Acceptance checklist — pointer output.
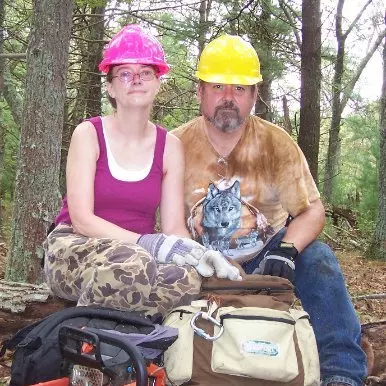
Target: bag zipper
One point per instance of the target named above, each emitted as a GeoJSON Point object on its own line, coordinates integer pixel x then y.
{"type": "Point", "coordinates": [252, 317]}
{"type": "Point", "coordinates": [268, 290]}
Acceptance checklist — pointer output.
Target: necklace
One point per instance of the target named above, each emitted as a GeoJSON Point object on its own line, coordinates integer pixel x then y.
{"type": "Point", "coordinates": [222, 166]}
{"type": "Point", "coordinates": [222, 161]}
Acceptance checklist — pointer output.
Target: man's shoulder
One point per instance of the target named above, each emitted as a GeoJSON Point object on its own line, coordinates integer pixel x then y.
{"type": "Point", "coordinates": [187, 129]}
{"type": "Point", "coordinates": [268, 128]}
{"type": "Point", "coordinates": [269, 135]}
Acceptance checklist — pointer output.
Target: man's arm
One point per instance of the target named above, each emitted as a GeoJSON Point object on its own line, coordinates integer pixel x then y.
{"type": "Point", "coordinates": [306, 226]}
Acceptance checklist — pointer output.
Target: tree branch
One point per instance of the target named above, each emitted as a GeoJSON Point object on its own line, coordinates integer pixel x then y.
{"type": "Point", "coordinates": [369, 296]}
{"type": "Point", "coordinates": [292, 23]}
{"type": "Point", "coordinates": [347, 91]}
{"type": "Point", "coordinates": [13, 56]}
{"type": "Point", "coordinates": [358, 16]}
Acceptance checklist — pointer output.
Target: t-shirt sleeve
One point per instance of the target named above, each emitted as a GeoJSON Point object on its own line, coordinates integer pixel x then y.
{"type": "Point", "coordinates": [295, 185]}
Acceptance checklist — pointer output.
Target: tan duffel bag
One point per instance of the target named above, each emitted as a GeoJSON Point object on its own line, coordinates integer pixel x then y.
{"type": "Point", "coordinates": [243, 333]}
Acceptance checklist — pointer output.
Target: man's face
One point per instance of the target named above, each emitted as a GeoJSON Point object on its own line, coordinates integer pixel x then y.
{"type": "Point", "coordinates": [226, 106]}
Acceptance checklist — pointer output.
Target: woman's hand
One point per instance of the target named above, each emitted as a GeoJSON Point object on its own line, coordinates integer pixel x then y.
{"type": "Point", "coordinates": [182, 251]}
{"type": "Point", "coordinates": [214, 263]}
{"type": "Point", "coordinates": [172, 249]}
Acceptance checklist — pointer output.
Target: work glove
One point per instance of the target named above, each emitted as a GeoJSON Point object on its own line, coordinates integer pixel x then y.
{"type": "Point", "coordinates": [172, 249]}
{"type": "Point", "coordinates": [279, 261]}
{"type": "Point", "coordinates": [214, 263]}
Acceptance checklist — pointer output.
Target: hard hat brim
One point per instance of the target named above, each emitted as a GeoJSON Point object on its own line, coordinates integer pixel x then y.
{"type": "Point", "coordinates": [163, 68]}
{"type": "Point", "coordinates": [229, 79]}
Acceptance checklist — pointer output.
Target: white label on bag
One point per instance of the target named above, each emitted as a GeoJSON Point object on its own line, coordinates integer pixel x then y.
{"type": "Point", "coordinates": [260, 347]}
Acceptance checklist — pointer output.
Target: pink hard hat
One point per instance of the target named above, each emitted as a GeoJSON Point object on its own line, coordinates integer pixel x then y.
{"type": "Point", "coordinates": [134, 45]}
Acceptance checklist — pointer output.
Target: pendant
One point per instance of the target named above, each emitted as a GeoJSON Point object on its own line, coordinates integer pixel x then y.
{"type": "Point", "coordinates": [221, 161]}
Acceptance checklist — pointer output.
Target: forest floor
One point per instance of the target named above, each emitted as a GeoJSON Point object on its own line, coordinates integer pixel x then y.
{"type": "Point", "coordinates": [363, 277]}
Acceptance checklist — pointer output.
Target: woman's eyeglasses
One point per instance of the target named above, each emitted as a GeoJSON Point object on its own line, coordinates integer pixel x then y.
{"type": "Point", "coordinates": [127, 77]}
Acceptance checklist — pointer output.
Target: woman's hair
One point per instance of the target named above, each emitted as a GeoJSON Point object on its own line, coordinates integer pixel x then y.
{"type": "Point", "coordinates": [109, 78]}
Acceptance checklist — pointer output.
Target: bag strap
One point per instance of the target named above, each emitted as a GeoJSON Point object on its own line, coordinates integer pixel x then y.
{"type": "Point", "coordinates": [51, 321]}
{"type": "Point", "coordinates": [11, 344]}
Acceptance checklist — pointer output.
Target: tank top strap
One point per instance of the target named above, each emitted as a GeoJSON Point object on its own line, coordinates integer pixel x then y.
{"type": "Point", "coordinates": [159, 148]}
{"type": "Point", "coordinates": [97, 123]}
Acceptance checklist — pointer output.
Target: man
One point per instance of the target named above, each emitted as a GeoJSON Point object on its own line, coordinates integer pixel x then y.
{"type": "Point", "coordinates": [244, 177]}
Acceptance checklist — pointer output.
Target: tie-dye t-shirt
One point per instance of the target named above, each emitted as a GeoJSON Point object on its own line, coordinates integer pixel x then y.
{"type": "Point", "coordinates": [237, 204]}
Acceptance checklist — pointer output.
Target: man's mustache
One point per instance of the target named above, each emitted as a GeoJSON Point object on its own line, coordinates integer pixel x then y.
{"type": "Point", "coordinates": [227, 106]}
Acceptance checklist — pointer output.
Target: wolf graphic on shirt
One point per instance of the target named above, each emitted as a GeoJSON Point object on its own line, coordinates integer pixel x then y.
{"type": "Point", "coordinates": [226, 223]}
{"type": "Point", "coordinates": [221, 216]}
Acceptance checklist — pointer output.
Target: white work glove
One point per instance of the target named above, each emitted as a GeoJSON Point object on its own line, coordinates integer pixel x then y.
{"type": "Point", "coordinates": [172, 249]}
{"type": "Point", "coordinates": [213, 262]}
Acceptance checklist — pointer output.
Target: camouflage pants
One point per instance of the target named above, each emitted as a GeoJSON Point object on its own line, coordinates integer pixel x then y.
{"type": "Point", "coordinates": [114, 274]}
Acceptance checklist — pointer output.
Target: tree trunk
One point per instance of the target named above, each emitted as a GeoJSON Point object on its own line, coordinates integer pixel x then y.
{"type": "Point", "coordinates": [95, 49]}
{"type": "Point", "coordinates": [263, 102]}
{"type": "Point", "coordinates": [333, 158]}
{"type": "Point", "coordinates": [378, 246]}
{"type": "Point", "coordinates": [204, 11]}
{"type": "Point", "coordinates": [37, 179]}
{"type": "Point", "coordinates": [77, 114]}
{"type": "Point", "coordinates": [287, 125]}
{"type": "Point", "coordinates": [309, 131]}
{"type": "Point", "coordinates": [341, 94]}
{"type": "Point", "coordinates": [2, 131]}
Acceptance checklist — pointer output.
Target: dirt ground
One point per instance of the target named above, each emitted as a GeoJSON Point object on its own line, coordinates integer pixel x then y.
{"type": "Point", "coordinates": [363, 277]}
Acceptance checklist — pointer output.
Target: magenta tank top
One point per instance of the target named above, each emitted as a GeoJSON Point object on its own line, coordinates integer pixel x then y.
{"type": "Point", "coordinates": [131, 205]}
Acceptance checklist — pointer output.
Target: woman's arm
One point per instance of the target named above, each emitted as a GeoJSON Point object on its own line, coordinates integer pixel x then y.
{"type": "Point", "coordinates": [81, 165]}
{"type": "Point", "coordinates": [172, 198]}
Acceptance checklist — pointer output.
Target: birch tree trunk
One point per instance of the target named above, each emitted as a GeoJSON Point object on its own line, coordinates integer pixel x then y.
{"type": "Point", "coordinates": [309, 130]}
{"type": "Point", "coordinates": [36, 196]}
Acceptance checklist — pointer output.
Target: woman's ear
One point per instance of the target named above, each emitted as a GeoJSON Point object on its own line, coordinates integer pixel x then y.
{"type": "Point", "coordinates": [157, 90]}
{"type": "Point", "coordinates": [110, 90]}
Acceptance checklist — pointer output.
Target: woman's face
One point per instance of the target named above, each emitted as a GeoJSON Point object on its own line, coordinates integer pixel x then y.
{"type": "Point", "coordinates": [133, 85]}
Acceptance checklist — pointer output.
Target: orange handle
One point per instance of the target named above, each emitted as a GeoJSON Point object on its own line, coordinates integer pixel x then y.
{"type": "Point", "coordinates": [156, 372]}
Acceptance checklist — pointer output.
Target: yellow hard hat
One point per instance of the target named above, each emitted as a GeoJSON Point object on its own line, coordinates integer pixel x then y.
{"type": "Point", "coordinates": [229, 59]}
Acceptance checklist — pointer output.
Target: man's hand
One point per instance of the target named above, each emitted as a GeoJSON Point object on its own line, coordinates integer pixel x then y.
{"type": "Point", "coordinates": [279, 262]}
{"type": "Point", "coordinates": [214, 263]}
{"type": "Point", "coordinates": [172, 249]}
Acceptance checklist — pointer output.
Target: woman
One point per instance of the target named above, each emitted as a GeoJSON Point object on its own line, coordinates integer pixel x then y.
{"type": "Point", "coordinates": [120, 169]}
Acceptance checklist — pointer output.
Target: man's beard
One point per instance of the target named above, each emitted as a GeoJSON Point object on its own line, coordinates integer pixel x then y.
{"type": "Point", "coordinates": [226, 117]}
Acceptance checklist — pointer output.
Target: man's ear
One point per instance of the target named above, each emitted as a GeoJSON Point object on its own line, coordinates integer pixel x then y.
{"type": "Point", "coordinates": [199, 92]}
{"type": "Point", "coordinates": [256, 91]}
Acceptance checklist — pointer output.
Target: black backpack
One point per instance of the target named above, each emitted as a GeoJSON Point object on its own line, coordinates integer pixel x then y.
{"type": "Point", "coordinates": [38, 356]}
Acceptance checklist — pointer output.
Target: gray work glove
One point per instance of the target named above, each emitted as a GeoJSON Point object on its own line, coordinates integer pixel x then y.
{"type": "Point", "coordinates": [214, 263]}
{"type": "Point", "coordinates": [172, 249]}
{"type": "Point", "coordinates": [279, 262]}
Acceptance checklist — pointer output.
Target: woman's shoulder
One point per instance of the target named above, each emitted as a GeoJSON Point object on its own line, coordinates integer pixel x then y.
{"type": "Point", "coordinates": [85, 134]}
{"type": "Point", "coordinates": [172, 143]}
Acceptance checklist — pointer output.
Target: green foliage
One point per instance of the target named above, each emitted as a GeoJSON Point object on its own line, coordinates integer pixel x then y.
{"type": "Point", "coordinates": [11, 145]}
{"type": "Point", "coordinates": [357, 181]}
{"type": "Point", "coordinates": [91, 3]}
